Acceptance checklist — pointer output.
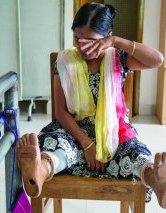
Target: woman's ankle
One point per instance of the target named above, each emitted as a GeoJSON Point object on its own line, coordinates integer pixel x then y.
{"type": "Point", "coordinates": [49, 163]}
{"type": "Point", "coordinates": [47, 167]}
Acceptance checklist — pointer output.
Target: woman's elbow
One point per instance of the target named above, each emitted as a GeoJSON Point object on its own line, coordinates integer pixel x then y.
{"type": "Point", "coordinates": [58, 114]}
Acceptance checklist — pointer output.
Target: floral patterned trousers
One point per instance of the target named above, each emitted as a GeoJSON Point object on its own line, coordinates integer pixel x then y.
{"type": "Point", "coordinates": [126, 162]}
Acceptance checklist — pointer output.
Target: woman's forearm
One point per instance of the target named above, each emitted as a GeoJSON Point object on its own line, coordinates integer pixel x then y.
{"type": "Point", "coordinates": [70, 125]}
{"type": "Point", "coordinates": [146, 55]}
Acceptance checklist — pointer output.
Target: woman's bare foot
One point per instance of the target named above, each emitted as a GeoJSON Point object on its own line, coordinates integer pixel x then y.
{"type": "Point", "coordinates": [34, 170]}
{"type": "Point", "coordinates": [156, 178]}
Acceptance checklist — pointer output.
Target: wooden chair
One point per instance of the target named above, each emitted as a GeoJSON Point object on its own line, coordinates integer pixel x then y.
{"type": "Point", "coordinates": [72, 187]}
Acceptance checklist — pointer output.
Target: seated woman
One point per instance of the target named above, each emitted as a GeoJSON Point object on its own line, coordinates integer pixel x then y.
{"type": "Point", "coordinates": [91, 135]}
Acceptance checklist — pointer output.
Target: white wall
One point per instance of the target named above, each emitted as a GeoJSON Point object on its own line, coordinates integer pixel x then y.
{"type": "Point", "coordinates": [40, 29]}
{"type": "Point", "coordinates": [40, 35]}
{"type": "Point", "coordinates": [68, 20]}
{"type": "Point", "coordinates": [8, 36]}
{"type": "Point", "coordinates": [151, 31]}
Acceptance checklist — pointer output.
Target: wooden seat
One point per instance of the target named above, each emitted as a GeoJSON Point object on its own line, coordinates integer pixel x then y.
{"type": "Point", "coordinates": [72, 187]}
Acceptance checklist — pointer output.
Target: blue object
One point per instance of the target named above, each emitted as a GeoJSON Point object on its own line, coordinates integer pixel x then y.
{"type": "Point", "coordinates": [4, 115]}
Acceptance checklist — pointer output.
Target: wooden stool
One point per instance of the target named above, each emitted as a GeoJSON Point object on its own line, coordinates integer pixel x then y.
{"type": "Point", "coordinates": [72, 187]}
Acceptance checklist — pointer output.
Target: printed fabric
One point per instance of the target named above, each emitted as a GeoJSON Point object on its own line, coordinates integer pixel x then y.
{"type": "Point", "coordinates": [110, 110]}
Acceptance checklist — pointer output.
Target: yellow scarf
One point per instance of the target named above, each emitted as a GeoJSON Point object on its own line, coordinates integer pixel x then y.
{"type": "Point", "coordinates": [73, 72]}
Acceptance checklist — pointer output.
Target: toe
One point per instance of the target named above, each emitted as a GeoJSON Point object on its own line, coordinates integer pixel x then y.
{"type": "Point", "coordinates": [33, 139]}
{"type": "Point", "coordinates": [24, 141]}
{"type": "Point", "coordinates": [19, 143]}
{"type": "Point", "coordinates": [164, 157]}
{"type": "Point", "coordinates": [27, 139]}
{"type": "Point", "coordinates": [157, 160]}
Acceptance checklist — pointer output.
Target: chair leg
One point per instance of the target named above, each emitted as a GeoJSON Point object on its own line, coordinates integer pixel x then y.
{"type": "Point", "coordinates": [124, 207]}
{"type": "Point", "coordinates": [37, 205]}
{"type": "Point", "coordinates": [139, 203]}
{"type": "Point", "coordinates": [139, 206]}
{"type": "Point", "coordinates": [57, 205]}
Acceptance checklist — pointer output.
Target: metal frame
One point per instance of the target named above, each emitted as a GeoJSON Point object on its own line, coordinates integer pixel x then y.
{"type": "Point", "coordinates": [62, 12]}
{"type": "Point", "coordinates": [8, 88]}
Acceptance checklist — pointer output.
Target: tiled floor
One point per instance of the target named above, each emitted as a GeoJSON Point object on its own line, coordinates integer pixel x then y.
{"type": "Point", "coordinates": [151, 133]}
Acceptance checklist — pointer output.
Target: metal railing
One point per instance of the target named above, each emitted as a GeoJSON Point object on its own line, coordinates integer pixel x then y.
{"type": "Point", "coordinates": [9, 88]}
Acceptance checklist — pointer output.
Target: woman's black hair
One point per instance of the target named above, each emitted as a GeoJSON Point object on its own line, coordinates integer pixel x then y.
{"type": "Point", "coordinates": [98, 17]}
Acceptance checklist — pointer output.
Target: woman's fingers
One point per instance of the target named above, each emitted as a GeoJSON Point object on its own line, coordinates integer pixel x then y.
{"type": "Point", "coordinates": [85, 43]}
{"type": "Point", "coordinates": [98, 166]}
{"type": "Point", "coordinates": [88, 45]}
{"type": "Point", "coordinates": [84, 46]}
{"type": "Point", "coordinates": [92, 49]}
{"type": "Point", "coordinates": [95, 165]}
{"type": "Point", "coordinates": [82, 40]}
{"type": "Point", "coordinates": [95, 47]}
{"type": "Point", "coordinates": [96, 50]}
{"type": "Point", "coordinates": [91, 164]}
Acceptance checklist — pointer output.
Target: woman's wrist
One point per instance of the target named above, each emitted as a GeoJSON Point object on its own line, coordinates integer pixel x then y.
{"type": "Point", "coordinates": [110, 41]}
{"type": "Point", "coordinates": [89, 146]}
{"type": "Point", "coordinates": [117, 42]}
{"type": "Point", "coordinates": [85, 142]}
{"type": "Point", "coordinates": [113, 41]}
{"type": "Point", "coordinates": [124, 44]}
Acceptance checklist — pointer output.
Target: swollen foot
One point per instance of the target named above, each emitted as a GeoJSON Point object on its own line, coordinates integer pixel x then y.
{"type": "Point", "coordinates": [157, 178]}
{"type": "Point", "coordinates": [34, 170]}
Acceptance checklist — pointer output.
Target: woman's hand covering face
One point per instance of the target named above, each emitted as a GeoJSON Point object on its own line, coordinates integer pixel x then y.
{"type": "Point", "coordinates": [96, 47]}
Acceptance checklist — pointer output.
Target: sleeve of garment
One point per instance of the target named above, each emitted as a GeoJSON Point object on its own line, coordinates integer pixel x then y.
{"type": "Point", "coordinates": [123, 58]}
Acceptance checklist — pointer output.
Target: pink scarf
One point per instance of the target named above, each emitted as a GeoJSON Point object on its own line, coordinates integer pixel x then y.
{"type": "Point", "coordinates": [126, 131]}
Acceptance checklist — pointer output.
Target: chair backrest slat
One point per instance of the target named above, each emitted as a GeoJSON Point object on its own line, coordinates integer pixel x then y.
{"type": "Point", "coordinates": [53, 58]}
